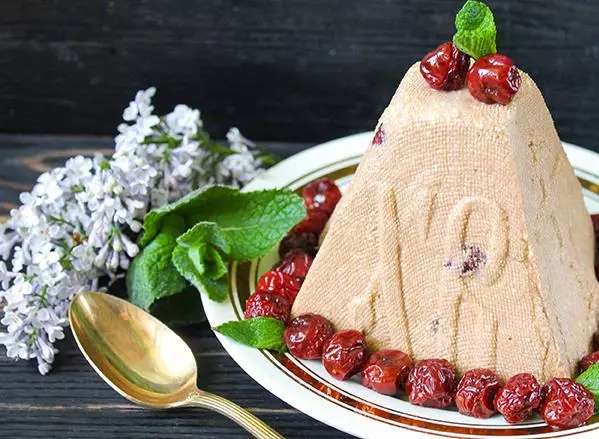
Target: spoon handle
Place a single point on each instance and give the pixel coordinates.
(241, 416)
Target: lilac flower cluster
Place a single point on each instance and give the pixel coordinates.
(78, 223)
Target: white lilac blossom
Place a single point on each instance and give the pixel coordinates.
(78, 224)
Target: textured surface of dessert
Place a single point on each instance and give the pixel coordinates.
(463, 236)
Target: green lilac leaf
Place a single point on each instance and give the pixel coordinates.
(476, 32)
(200, 199)
(152, 274)
(253, 222)
(184, 308)
(590, 380)
(259, 332)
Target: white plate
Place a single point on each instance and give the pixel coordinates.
(347, 405)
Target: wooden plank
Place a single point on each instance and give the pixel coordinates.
(73, 401)
(24, 157)
(301, 70)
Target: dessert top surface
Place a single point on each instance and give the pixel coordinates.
(415, 99)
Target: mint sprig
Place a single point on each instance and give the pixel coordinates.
(476, 31)
(194, 239)
(259, 332)
(590, 380)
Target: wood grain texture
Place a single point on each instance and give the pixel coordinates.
(72, 401)
(296, 69)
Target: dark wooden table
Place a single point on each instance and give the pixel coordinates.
(72, 401)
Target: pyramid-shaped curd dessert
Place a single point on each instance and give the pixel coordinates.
(463, 235)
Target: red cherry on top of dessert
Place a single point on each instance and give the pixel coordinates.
(386, 371)
(314, 222)
(566, 403)
(279, 284)
(431, 383)
(296, 263)
(588, 361)
(306, 335)
(518, 399)
(445, 67)
(476, 392)
(494, 79)
(322, 195)
(261, 304)
(344, 354)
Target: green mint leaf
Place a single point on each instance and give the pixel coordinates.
(184, 308)
(590, 380)
(197, 259)
(200, 199)
(476, 32)
(253, 222)
(259, 332)
(202, 244)
(152, 274)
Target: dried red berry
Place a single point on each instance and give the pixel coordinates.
(307, 242)
(296, 263)
(445, 67)
(263, 304)
(344, 354)
(313, 223)
(596, 340)
(520, 396)
(279, 284)
(386, 371)
(306, 335)
(476, 392)
(588, 361)
(379, 136)
(431, 383)
(322, 195)
(565, 403)
(494, 79)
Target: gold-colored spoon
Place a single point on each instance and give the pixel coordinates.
(146, 362)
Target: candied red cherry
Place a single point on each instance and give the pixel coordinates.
(445, 68)
(313, 223)
(261, 304)
(296, 263)
(279, 284)
(308, 242)
(431, 383)
(379, 136)
(386, 371)
(306, 335)
(322, 195)
(494, 79)
(566, 403)
(344, 354)
(476, 392)
(588, 361)
(519, 398)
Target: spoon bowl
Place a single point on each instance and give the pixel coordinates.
(144, 360)
(138, 355)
